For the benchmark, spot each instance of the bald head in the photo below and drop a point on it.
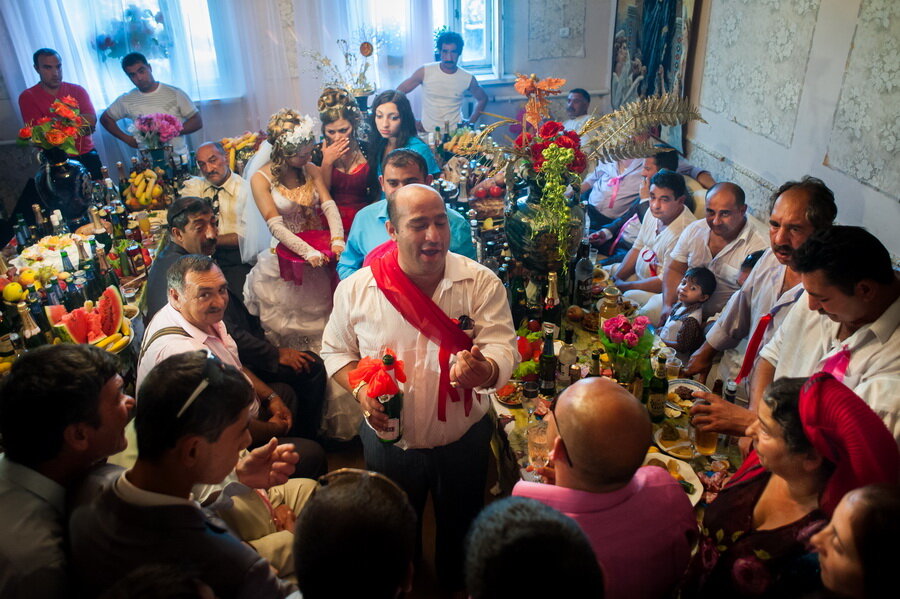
(400, 201)
(605, 429)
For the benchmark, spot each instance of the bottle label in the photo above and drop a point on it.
(393, 431)
(656, 405)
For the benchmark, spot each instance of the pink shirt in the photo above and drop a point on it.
(641, 534)
(35, 102)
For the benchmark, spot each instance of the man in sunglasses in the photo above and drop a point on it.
(193, 422)
(83, 413)
(193, 229)
(639, 520)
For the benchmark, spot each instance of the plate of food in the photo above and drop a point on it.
(680, 471)
(674, 440)
(510, 394)
(681, 394)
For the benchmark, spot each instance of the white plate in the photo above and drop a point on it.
(680, 449)
(686, 472)
(690, 383)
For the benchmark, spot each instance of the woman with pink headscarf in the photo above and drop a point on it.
(814, 440)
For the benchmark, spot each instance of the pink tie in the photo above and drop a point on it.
(614, 183)
(837, 364)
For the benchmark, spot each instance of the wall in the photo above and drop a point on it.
(800, 63)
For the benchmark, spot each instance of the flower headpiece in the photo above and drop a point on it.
(290, 130)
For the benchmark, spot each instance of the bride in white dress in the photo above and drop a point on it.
(291, 285)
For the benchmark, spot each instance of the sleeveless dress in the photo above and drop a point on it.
(348, 190)
(292, 315)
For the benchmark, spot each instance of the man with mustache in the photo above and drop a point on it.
(757, 309)
(35, 102)
(227, 191)
(719, 243)
(444, 84)
(846, 323)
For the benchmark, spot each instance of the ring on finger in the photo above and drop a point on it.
(366, 413)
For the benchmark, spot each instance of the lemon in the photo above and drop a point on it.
(12, 292)
(157, 191)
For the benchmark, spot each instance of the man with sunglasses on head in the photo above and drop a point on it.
(193, 422)
(639, 520)
(193, 229)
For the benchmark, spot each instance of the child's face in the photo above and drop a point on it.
(689, 292)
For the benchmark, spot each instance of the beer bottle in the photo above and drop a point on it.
(657, 390)
(393, 406)
(595, 363)
(582, 277)
(547, 363)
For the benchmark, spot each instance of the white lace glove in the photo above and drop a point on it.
(295, 244)
(333, 216)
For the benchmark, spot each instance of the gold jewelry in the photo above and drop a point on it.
(356, 389)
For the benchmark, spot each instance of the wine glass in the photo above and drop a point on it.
(538, 447)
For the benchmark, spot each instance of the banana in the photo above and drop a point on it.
(109, 340)
(149, 173)
(119, 345)
(231, 157)
(137, 179)
(147, 196)
(4, 366)
(140, 189)
(126, 328)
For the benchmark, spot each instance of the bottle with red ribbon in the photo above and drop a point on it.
(382, 377)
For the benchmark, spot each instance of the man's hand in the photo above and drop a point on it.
(292, 358)
(720, 416)
(268, 465)
(372, 409)
(700, 361)
(332, 152)
(281, 416)
(622, 284)
(472, 369)
(285, 518)
(130, 140)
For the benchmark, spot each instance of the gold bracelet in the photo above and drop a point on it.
(337, 239)
(356, 389)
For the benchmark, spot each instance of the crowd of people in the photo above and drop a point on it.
(276, 284)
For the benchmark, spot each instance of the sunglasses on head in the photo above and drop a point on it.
(211, 365)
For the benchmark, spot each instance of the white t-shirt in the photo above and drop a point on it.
(165, 99)
(443, 95)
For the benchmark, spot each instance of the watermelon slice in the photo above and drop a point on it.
(95, 327)
(55, 313)
(109, 309)
(72, 327)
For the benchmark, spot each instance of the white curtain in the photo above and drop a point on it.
(260, 66)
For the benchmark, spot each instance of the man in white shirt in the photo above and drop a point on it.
(227, 192)
(444, 84)
(800, 208)
(846, 323)
(149, 97)
(577, 103)
(83, 413)
(719, 243)
(404, 301)
(639, 276)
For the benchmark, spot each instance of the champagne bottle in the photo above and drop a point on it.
(582, 277)
(393, 406)
(595, 363)
(547, 364)
(552, 305)
(100, 235)
(40, 222)
(7, 351)
(657, 390)
(31, 333)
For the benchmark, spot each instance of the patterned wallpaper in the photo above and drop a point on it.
(756, 57)
(865, 138)
(546, 20)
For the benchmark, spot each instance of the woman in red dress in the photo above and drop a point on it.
(341, 156)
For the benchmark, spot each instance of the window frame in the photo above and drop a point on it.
(492, 69)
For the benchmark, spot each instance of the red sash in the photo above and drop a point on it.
(379, 250)
(427, 317)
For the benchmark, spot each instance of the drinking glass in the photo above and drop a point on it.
(594, 256)
(530, 398)
(673, 368)
(538, 446)
(705, 443)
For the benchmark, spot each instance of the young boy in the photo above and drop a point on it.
(683, 331)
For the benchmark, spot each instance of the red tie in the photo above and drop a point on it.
(753, 347)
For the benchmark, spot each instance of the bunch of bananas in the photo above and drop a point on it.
(464, 142)
(246, 145)
(142, 189)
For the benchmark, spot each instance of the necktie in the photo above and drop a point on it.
(614, 183)
(753, 347)
(214, 200)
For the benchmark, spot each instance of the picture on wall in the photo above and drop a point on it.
(650, 53)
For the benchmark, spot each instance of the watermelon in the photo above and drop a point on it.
(109, 309)
(55, 313)
(80, 326)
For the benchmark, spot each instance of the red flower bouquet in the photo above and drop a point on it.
(57, 131)
(551, 133)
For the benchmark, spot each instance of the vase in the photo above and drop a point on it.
(159, 159)
(625, 368)
(63, 184)
(536, 246)
(363, 103)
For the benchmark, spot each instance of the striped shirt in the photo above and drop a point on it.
(166, 99)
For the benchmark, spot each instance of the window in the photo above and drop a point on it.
(478, 21)
(176, 36)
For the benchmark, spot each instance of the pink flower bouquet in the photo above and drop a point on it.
(628, 343)
(155, 130)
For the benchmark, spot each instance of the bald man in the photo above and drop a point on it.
(638, 519)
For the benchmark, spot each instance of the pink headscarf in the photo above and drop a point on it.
(847, 433)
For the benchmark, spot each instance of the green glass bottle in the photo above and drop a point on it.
(31, 333)
(393, 406)
(657, 390)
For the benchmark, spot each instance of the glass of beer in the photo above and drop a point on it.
(673, 368)
(705, 442)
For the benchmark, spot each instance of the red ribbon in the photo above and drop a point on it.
(379, 250)
(421, 312)
(614, 182)
(374, 372)
(753, 347)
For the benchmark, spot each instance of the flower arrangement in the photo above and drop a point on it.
(353, 76)
(551, 133)
(156, 129)
(57, 131)
(627, 343)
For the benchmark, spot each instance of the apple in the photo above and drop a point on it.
(496, 191)
(534, 325)
(480, 193)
